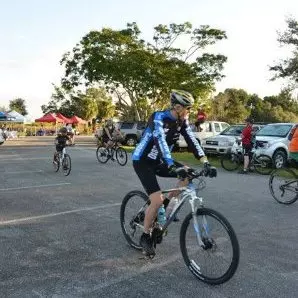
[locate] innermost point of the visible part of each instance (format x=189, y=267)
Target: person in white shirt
x=70, y=133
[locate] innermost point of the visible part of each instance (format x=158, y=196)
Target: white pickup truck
x=208, y=129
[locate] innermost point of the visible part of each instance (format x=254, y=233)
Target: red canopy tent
x=77, y=120
x=49, y=118
x=62, y=117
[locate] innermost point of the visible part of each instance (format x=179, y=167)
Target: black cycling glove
x=181, y=172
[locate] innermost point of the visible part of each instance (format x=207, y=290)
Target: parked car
x=208, y=129
x=132, y=131
x=274, y=140
x=223, y=142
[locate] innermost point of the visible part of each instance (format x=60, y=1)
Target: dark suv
x=132, y=131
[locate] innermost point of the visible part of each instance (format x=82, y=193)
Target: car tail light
x=292, y=132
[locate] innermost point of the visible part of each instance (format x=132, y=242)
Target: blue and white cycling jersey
x=160, y=136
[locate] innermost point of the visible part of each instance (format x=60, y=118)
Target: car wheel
x=279, y=159
x=131, y=141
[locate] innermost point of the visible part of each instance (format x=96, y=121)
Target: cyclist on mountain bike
x=152, y=157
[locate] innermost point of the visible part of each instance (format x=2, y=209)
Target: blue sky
x=34, y=35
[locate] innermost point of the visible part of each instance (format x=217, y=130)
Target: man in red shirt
x=246, y=137
x=201, y=117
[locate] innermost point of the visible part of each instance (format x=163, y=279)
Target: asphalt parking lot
x=61, y=236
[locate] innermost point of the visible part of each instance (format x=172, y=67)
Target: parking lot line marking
x=12, y=221
x=24, y=159
x=34, y=186
x=22, y=172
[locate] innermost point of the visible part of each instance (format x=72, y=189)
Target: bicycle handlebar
x=193, y=174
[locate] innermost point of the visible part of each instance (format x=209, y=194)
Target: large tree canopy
x=142, y=73
x=288, y=68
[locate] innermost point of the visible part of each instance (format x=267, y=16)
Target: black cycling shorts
x=59, y=147
x=147, y=172
x=247, y=148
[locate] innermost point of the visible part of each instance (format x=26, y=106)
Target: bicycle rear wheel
x=102, y=154
x=217, y=260
x=66, y=165
x=230, y=161
x=132, y=214
x=283, y=185
x=262, y=164
x=121, y=156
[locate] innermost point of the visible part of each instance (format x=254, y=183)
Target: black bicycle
x=283, y=185
x=115, y=152
x=231, y=161
x=208, y=243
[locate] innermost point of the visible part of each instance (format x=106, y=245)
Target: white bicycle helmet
x=182, y=97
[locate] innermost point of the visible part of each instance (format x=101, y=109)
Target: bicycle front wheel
x=263, y=164
x=230, y=162
x=121, y=156
x=56, y=163
x=132, y=215
x=66, y=165
x=102, y=154
x=216, y=259
x=283, y=185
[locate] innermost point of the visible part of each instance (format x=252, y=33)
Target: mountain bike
x=205, y=235
x=63, y=159
x=262, y=163
x=115, y=152
x=283, y=185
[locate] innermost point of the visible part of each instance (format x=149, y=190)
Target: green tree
x=61, y=102
x=230, y=106
x=136, y=70
x=105, y=107
x=93, y=103
x=19, y=106
x=288, y=68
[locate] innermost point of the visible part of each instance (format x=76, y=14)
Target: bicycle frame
x=113, y=149
x=187, y=193
x=62, y=154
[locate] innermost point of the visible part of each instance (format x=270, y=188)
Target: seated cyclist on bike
x=152, y=156
x=247, y=144
x=60, y=141
x=107, y=133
